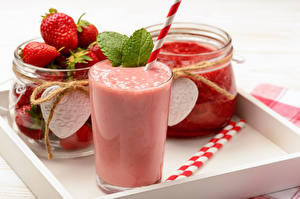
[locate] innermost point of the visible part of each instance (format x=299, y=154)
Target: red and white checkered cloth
x=286, y=102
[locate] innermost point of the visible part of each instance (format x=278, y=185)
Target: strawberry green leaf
x=111, y=44
x=81, y=23
x=137, y=49
x=92, y=44
x=36, y=117
x=52, y=65
x=78, y=57
x=51, y=11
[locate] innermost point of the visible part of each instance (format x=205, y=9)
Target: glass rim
x=226, y=45
x=19, y=60
x=90, y=77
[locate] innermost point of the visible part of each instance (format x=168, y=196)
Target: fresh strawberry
x=81, y=59
x=59, y=30
x=87, y=32
x=25, y=97
x=95, y=48
x=39, y=54
x=30, y=122
x=61, y=61
x=81, y=139
x=93, y=60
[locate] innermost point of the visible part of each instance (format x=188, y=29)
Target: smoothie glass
x=191, y=43
x=129, y=115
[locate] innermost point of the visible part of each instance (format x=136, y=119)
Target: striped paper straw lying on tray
x=207, y=151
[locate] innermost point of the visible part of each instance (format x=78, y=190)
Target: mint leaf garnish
x=111, y=44
x=128, y=52
x=137, y=49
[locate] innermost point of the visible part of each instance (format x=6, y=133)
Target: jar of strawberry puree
x=29, y=120
x=188, y=44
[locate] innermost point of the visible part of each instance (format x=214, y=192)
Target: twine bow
x=187, y=71
x=58, y=94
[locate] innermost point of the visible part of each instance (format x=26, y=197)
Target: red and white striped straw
x=206, y=152
x=163, y=33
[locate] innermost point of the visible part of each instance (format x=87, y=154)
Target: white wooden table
x=265, y=32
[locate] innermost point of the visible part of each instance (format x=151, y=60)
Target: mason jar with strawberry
x=191, y=44
x=63, y=54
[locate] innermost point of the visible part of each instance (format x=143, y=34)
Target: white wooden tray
x=264, y=157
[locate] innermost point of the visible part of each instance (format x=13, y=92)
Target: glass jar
x=191, y=43
x=28, y=119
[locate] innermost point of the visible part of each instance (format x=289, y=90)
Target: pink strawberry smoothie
x=129, y=114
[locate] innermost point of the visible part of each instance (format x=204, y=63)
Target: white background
x=265, y=32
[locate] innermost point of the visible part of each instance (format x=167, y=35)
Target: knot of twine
x=187, y=71
x=81, y=85
x=57, y=95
